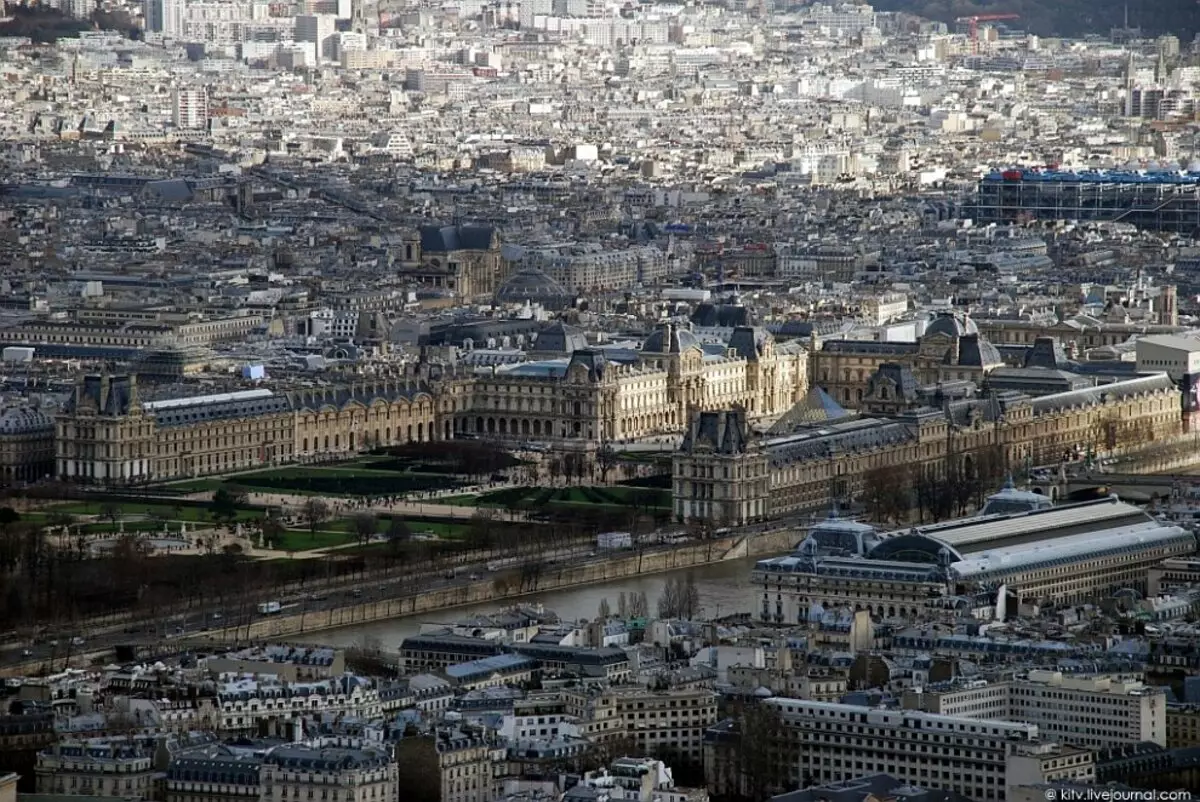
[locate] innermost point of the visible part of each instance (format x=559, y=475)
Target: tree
x=760, y=733
x=314, y=512
x=886, y=492
x=605, y=612
x=398, y=532
x=680, y=598
x=639, y=607
x=272, y=529
x=365, y=526
x=224, y=506
x=668, y=600
x=8, y=517
x=622, y=606
x=606, y=459
x=111, y=511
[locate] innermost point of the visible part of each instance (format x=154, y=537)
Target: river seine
x=725, y=589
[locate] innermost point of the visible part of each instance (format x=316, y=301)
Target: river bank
x=502, y=589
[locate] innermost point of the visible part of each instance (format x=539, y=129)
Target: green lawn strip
x=468, y=500
x=303, y=540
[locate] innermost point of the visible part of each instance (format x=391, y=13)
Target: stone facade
x=815, y=463
x=108, y=435
x=951, y=350
x=590, y=399
x=464, y=260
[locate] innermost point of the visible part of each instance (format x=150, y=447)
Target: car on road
x=27, y=652
x=77, y=641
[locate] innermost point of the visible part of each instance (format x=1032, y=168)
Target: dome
x=951, y=324
x=670, y=339
x=532, y=285
x=25, y=420
x=1010, y=500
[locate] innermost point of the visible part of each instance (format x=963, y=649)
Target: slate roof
x=724, y=432
x=531, y=284
x=560, y=338
x=873, y=347
x=25, y=420
x=901, y=378
x=216, y=764
x=304, y=758
x=722, y=316
x=976, y=352
x=1047, y=352
x=951, y=324
x=221, y=406
x=111, y=395
x=1154, y=382
x=670, y=339
x=836, y=438
x=873, y=786
x=486, y=666
x=748, y=341
x=593, y=360
x=445, y=239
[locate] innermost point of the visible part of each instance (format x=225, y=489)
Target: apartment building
x=289, y=663
x=825, y=742
x=1183, y=726
x=463, y=760
x=329, y=774
x=246, y=703
x=118, y=767
x=1094, y=712
x=214, y=773
x=1035, y=764
x=671, y=721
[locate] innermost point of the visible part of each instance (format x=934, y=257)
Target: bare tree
x=605, y=612
x=639, y=607
x=112, y=512
x=622, y=605
x=314, y=512
x=365, y=527
x=668, y=601
x=760, y=733
x=680, y=598
x=272, y=530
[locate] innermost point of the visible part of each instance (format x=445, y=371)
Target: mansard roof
x=364, y=395
x=836, y=438
x=446, y=239
x=723, y=432
x=1091, y=396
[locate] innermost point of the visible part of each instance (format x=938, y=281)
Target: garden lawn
x=303, y=540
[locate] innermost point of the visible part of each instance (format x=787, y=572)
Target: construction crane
x=973, y=25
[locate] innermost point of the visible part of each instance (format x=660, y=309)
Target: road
x=58, y=648
x=55, y=650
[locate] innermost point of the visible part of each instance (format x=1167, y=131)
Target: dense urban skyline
x=577, y=401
